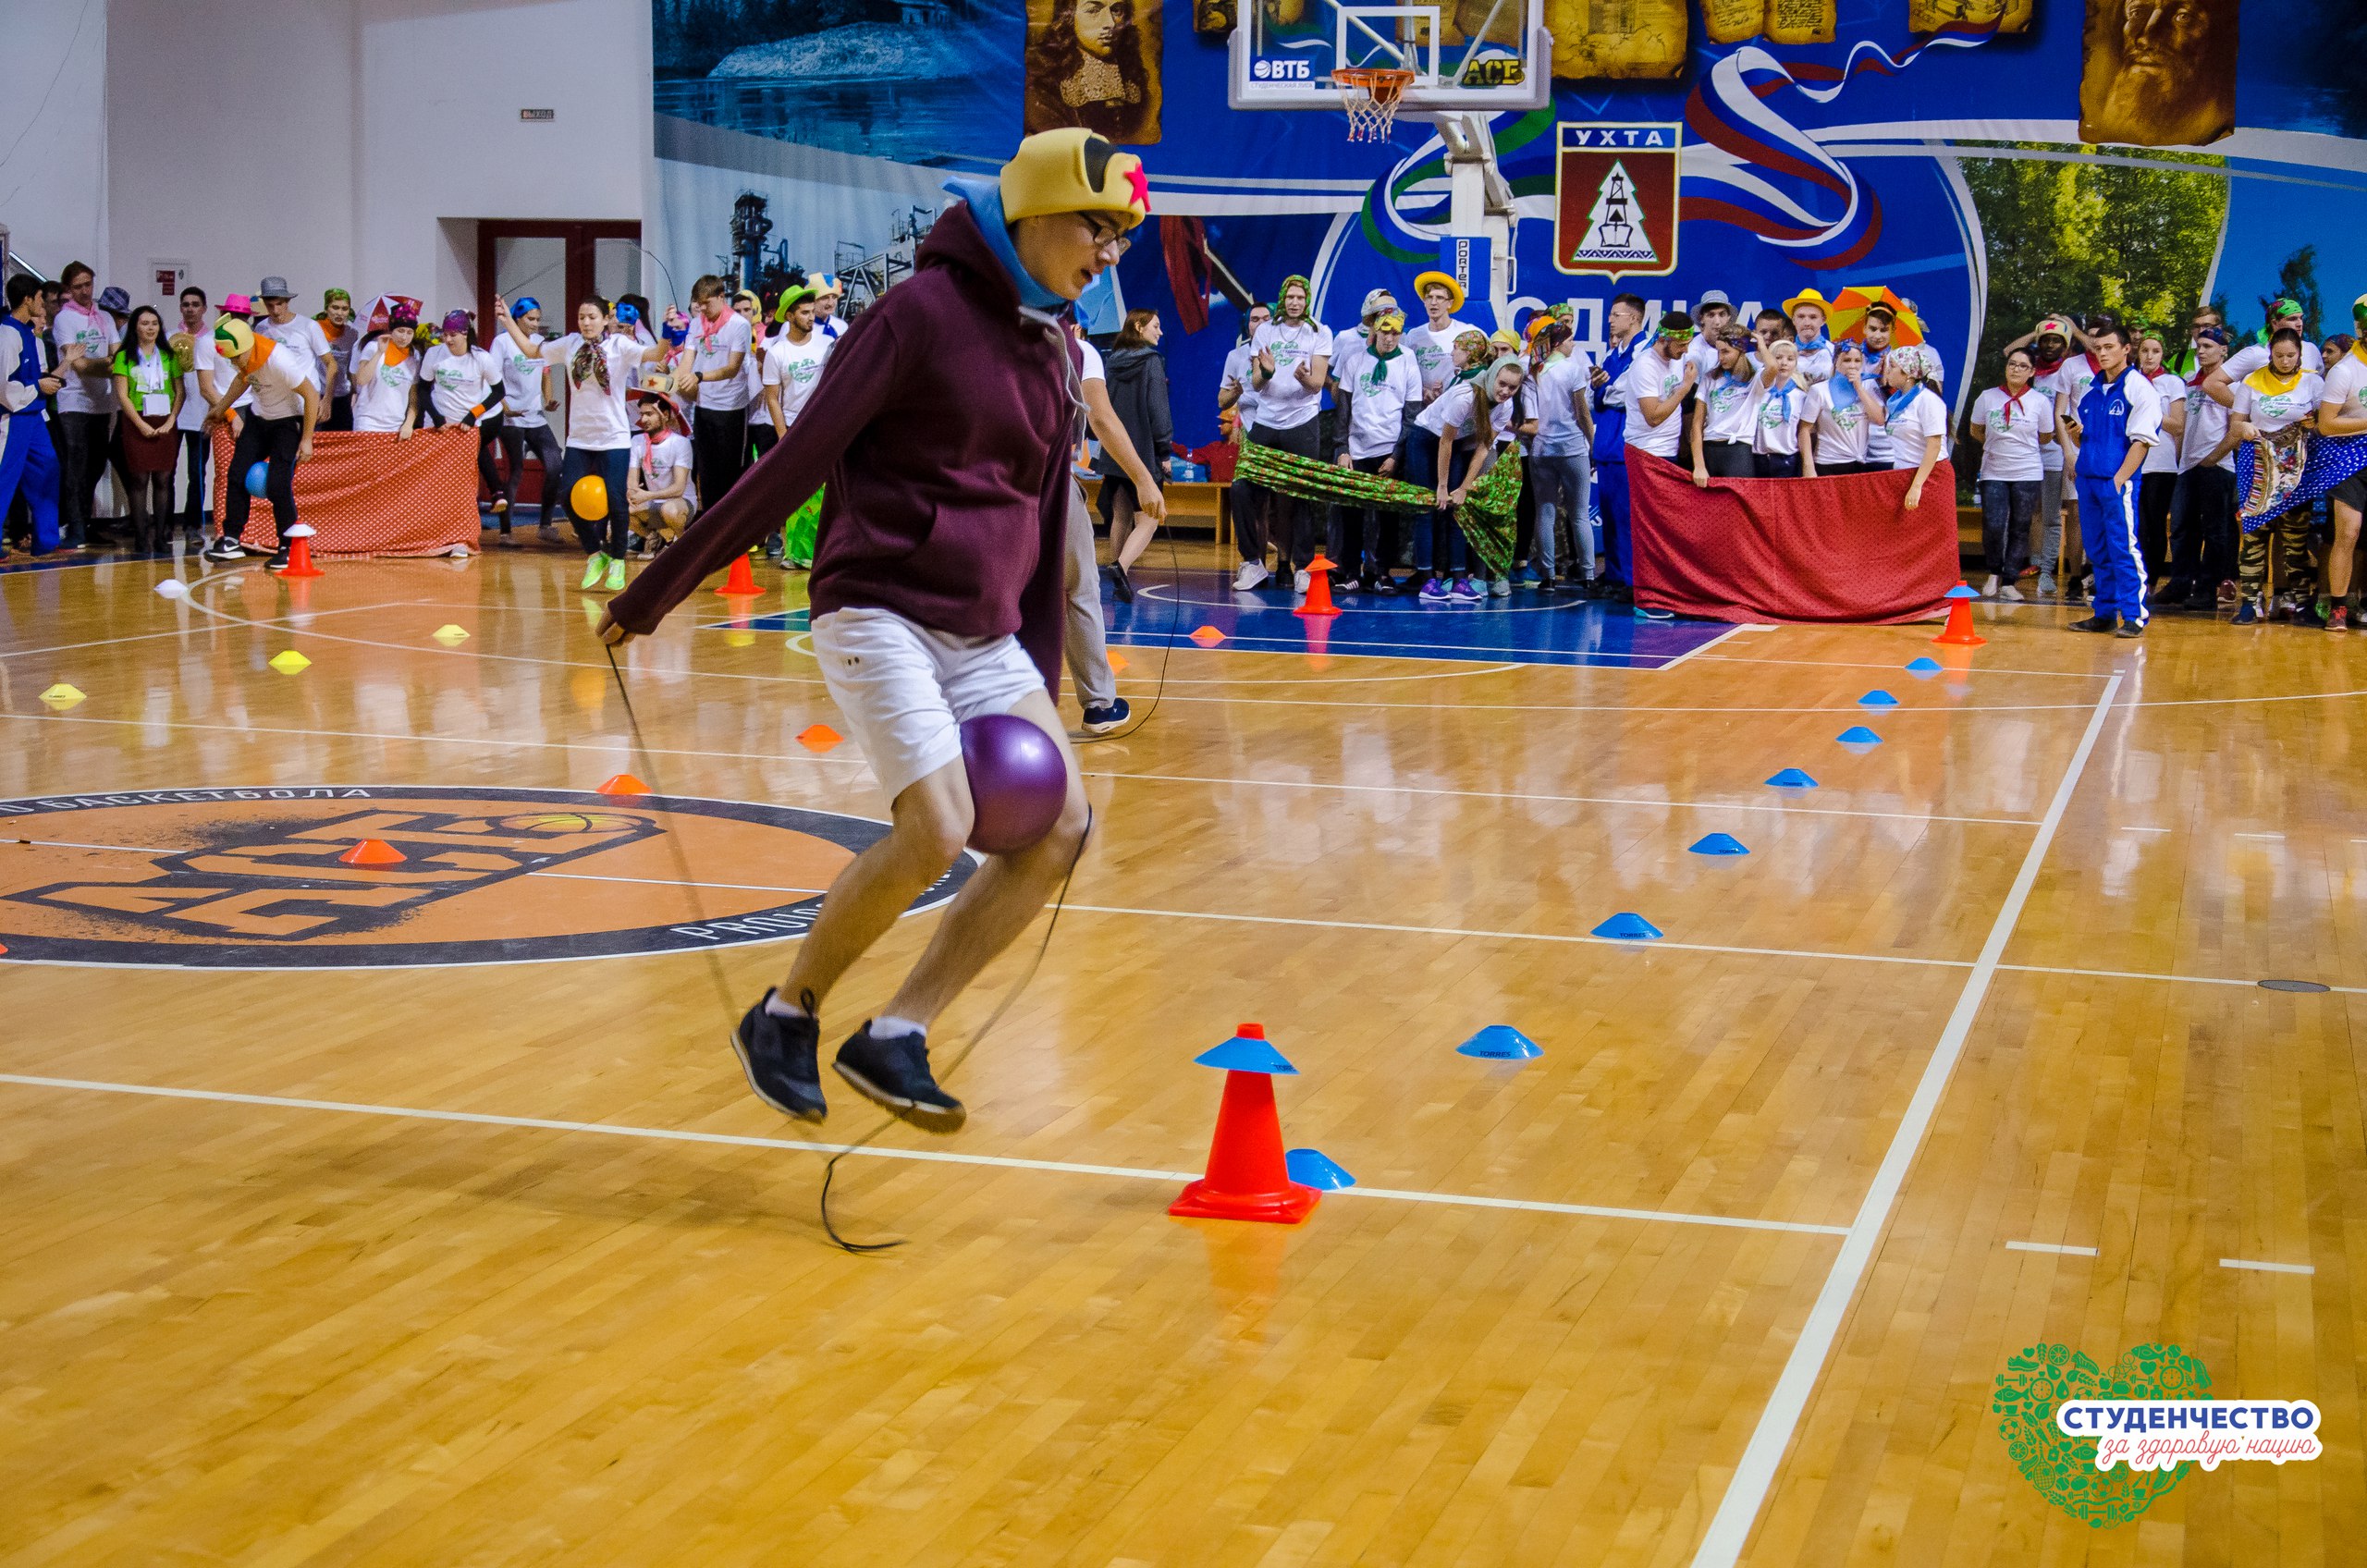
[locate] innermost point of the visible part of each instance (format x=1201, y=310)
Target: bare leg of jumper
x=932, y=819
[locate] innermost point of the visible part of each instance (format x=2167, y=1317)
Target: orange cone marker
x=1959, y=632
x=299, y=552
x=624, y=784
x=1318, y=588
x=742, y=579
x=374, y=851
x=1247, y=1176
x=819, y=736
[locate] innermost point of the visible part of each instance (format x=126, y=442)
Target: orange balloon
x=590, y=497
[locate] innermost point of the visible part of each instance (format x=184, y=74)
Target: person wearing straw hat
x=943, y=423
x=278, y=431
x=1809, y=310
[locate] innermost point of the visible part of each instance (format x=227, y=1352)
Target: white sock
x=887, y=1027
x=780, y=1008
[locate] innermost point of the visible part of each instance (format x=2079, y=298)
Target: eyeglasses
x=1111, y=239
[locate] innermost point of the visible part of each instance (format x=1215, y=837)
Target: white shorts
x=905, y=688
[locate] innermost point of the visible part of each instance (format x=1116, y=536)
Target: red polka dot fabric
x=1843, y=549
x=371, y=494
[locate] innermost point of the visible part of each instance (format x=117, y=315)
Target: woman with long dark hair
x=1137, y=382
x=148, y=391
x=1086, y=68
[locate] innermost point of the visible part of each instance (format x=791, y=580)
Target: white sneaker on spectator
x=1298, y=581
x=1989, y=589
x=1251, y=574
x=2009, y=591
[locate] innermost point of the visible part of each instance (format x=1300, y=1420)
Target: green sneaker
x=593, y=569
x=616, y=583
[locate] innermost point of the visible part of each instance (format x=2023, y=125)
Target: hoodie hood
x=988, y=250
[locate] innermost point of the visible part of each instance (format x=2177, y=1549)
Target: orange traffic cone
x=1318, y=588
x=1247, y=1178
x=743, y=581
x=1959, y=632
x=374, y=851
x=299, y=552
x=624, y=784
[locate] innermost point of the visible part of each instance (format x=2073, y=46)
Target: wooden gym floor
x=312, y=1265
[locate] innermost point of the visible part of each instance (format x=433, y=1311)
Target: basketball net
x=1370, y=94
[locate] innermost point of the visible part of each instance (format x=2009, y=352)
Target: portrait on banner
x=2158, y=73
x=1095, y=64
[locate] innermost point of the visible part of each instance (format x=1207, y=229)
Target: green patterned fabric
x=804, y=527
x=1487, y=516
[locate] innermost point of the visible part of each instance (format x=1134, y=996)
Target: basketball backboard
x=1490, y=55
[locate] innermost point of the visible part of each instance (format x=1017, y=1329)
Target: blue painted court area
x=1524, y=629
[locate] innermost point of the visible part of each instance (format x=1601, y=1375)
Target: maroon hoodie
x=941, y=425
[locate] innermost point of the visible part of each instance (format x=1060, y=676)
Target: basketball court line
x=1754, y=1475
x=1456, y=932
x=2050, y=1247
x=622, y=743
x=875, y=1151
x=183, y=631
x=1858, y=663
x=2260, y=1268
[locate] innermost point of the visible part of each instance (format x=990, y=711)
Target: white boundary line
x=1729, y=1530
x=934, y=1156
x=2050, y=1247
x=270, y=622
x=2266, y=1267
x=1695, y=652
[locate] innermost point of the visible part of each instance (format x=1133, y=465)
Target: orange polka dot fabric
x=368, y=493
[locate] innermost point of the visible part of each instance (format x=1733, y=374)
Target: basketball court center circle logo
x=253, y=878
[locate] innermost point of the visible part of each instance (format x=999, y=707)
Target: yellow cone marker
x=290, y=662
x=61, y=696
x=450, y=635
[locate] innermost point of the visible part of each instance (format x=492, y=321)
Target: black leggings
x=488, y=440
x=515, y=439
x=272, y=442
x=599, y=535
x=197, y=456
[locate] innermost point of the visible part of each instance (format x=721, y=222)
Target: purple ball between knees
x=1018, y=781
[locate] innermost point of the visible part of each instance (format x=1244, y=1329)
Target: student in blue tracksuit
x=1623, y=323
x=2114, y=424
x=28, y=380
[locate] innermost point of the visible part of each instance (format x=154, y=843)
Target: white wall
x=377, y=135
x=54, y=132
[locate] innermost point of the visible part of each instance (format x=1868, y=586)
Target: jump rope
x=1060, y=901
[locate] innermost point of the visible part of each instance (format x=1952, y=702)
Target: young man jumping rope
x=942, y=425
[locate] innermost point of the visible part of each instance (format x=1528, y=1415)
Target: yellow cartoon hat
x=1073, y=170
x=1808, y=296
x=1422, y=282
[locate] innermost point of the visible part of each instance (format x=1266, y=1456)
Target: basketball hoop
x=1370, y=94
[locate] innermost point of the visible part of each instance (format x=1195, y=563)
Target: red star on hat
x=1141, y=183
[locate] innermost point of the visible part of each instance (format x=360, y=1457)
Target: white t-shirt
x=2271, y=412
x=382, y=402
x=1816, y=364
x=457, y=383
x=214, y=368
x=1564, y=378
x=1728, y=406
x=712, y=351
x=657, y=461
x=1090, y=365
x=2347, y=385
x=2066, y=384
x=2161, y=457
x=2010, y=431
x=275, y=385
x=1236, y=375
x=94, y=329
x=1841, y=430
x=795, y=367
x=1776, y=417
x=1652, y=376
x=1912, y=427
x=1457, y=409
x=1433, y=351
x=1378, y=398
x=2243, y=362
x=751, y=371
x=301, y=334
x=2206, y=427
x=1285, y=402
x=522, y=381
x=341, y=359
x=194, y=406
x=1348, y=346
x=597, y=421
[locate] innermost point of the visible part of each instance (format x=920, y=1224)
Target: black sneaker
x=2095, y=623
x=1101, y=721
x=1119, y=584
x=278, y=561
x=224, y=550
x=2129, y=629
x=894, y=1075
x=779, y=1057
